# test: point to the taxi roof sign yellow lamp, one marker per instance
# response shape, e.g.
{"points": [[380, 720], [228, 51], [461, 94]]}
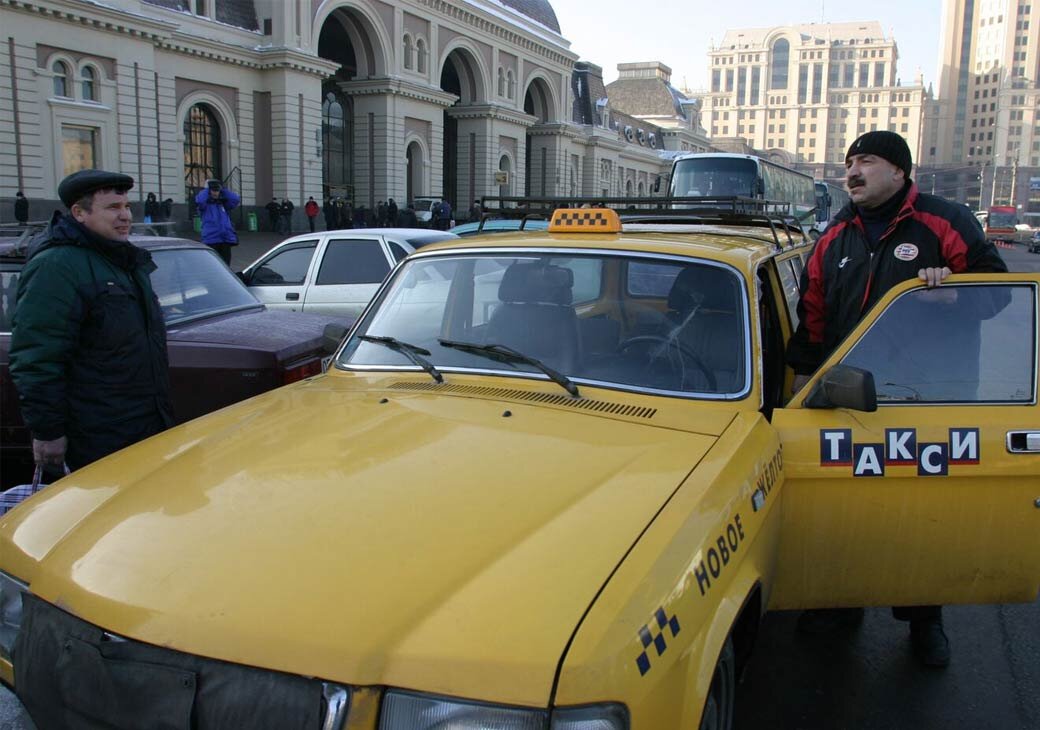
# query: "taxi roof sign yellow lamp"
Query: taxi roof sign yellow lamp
{"points": [[585, 220]]}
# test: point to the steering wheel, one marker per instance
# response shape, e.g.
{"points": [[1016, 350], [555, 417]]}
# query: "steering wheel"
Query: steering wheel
{"points": [[670, 342]]}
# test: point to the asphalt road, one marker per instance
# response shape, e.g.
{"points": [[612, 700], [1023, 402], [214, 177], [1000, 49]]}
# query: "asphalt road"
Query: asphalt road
{"points": [[864, 678]]}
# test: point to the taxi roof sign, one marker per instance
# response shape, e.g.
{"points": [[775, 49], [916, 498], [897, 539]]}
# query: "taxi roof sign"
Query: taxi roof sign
{"points": [[585, 220]]}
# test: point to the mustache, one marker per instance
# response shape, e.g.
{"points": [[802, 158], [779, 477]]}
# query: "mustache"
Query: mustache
{"points": [[855, 182]]}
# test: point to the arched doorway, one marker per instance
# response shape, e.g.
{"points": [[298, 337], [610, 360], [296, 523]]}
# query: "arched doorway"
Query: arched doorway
{"points": [[538, 102], [350, 39], [203, 149], [506, 166], [461, 76], [415, 172]]}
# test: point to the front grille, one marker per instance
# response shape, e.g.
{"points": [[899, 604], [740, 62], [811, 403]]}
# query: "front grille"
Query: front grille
{"points": [[514, 394], [71, 674]]}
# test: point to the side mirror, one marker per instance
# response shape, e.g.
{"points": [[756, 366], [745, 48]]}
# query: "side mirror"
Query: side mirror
{"points": [[331, 336], [657, 184], [760, 187], [844, 387], [244, 277]]}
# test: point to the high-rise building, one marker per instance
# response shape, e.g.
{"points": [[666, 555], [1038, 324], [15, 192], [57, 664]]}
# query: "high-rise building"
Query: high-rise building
{"points": [[988, 82], [989, 92], [801, 94]]}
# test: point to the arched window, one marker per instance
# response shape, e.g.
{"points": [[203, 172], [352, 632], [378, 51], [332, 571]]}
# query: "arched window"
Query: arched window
{"points": [[202, 148], [501, 82], [420, 55], [61, 78], [407, 51], [88, 79], [781, 57], [336, 143], [510, 85]]}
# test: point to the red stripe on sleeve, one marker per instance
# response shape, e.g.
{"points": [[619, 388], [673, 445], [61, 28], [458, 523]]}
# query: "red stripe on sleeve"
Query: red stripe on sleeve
{"points": [[954, 249], [813, 302]]}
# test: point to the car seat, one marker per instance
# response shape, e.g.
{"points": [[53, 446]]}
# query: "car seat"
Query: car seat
{"points": [[535, 316], [703, 308]]}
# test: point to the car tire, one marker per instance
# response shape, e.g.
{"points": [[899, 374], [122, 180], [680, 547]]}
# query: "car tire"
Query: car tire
{"points": [[718, 707]]}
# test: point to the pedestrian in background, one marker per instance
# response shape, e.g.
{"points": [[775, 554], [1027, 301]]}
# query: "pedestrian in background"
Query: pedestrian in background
{"points": [[346, 213], [408, 217], [391, 212], [88, 344], [475, 211], [381, 214], [274, 213], [889, 232], [166, 209], [21, 208], [444, 215], [286, 211], [312, 210], [213, 202], [151, 209], [328, 211]]}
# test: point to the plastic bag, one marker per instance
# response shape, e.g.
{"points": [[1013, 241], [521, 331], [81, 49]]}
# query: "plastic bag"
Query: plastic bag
{"points": [[14, 496]]}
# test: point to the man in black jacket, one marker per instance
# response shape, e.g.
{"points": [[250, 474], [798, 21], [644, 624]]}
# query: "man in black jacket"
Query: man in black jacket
{"points": [[88, 344], [888, 233]]}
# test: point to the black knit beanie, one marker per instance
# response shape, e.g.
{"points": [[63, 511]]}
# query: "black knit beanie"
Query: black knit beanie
{"points": [[886, 145]]}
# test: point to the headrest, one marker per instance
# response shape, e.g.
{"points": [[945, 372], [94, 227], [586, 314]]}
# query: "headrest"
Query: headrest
{"points": [[536, 284], [703, 286]]}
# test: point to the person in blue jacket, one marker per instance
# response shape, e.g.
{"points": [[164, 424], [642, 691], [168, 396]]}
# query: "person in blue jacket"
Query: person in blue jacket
{"points": [[214, 202]]}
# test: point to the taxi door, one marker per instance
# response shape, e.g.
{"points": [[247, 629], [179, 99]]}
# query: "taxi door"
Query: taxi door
{"points": [[934, 497]]}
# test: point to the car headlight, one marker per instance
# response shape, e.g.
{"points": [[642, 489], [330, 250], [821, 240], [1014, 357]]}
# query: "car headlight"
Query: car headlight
{"points": [[410, 711], [11, 591]]}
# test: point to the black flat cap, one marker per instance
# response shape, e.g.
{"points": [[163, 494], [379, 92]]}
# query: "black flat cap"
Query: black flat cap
{"points": [[78, 184]]}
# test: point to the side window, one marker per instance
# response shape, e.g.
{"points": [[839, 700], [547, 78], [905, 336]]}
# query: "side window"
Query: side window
{"points": [[650, 280], [588, 278], [398, 251], [954, 344], [789, 281], [353, 262], [287, 266], [8, 290]]}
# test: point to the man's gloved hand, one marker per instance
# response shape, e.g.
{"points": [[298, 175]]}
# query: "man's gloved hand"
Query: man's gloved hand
{"points": [[50, 454]]}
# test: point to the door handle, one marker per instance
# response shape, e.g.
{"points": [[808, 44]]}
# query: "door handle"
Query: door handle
{"points": [[1023, 442], [292, 296]]}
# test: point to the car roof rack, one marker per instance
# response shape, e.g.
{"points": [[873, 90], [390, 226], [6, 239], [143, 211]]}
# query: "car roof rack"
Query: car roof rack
{"points": [[688, 210]]}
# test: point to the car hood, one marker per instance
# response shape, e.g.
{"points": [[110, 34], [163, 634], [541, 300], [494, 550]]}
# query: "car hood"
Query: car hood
{"points": [[287, 334], [359, 534]]}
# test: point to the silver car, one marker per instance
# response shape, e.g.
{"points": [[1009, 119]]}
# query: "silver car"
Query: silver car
{"points": [[332, 272]]}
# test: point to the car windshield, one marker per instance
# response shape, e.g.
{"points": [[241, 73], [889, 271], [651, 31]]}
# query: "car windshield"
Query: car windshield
{"points": [[192, 283], [678, 326], [423, 204]]}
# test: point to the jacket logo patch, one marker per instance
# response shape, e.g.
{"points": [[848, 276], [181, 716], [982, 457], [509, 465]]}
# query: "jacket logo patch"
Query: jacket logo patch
{"points": [[906, 252], [654, 634]]}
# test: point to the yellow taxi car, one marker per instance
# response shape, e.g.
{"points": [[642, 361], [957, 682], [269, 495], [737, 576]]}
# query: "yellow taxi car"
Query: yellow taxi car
{"points": [[550, 480]]}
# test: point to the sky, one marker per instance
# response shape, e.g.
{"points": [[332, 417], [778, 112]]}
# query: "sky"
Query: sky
{"points": [[679, 33]]}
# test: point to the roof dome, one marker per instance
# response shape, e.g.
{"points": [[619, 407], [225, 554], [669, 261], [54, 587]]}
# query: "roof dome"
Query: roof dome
{"points": [[539, 11]]}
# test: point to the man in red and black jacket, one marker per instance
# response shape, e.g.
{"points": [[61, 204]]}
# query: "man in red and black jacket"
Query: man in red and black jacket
{"points": [[888, 233]]}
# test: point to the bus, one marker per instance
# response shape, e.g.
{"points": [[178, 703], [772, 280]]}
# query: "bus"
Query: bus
{"points": [[830, 198], [719, 175], [1000, 223]]}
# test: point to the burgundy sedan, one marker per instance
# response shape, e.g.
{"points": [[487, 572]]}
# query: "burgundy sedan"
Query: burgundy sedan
{"points": [[224, 345]]}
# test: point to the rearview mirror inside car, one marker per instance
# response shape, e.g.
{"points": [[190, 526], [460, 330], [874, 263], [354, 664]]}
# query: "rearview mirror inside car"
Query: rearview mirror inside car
{"points": [[844, 386]]}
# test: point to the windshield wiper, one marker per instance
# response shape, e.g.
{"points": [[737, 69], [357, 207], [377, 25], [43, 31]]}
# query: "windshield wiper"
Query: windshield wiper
{"points": [[412, 352], [509, 355]]}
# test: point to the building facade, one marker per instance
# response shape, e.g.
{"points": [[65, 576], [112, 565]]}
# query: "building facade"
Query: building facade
{"points": [[801, 94], [989, 91], [363, 99]]}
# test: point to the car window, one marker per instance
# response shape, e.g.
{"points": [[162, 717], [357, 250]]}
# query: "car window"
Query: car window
{"points": [[789, 282], [649, 279], [928, 348], [349, 261], [8, 291], [192, 283], [398, 251], [286, 266]]}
